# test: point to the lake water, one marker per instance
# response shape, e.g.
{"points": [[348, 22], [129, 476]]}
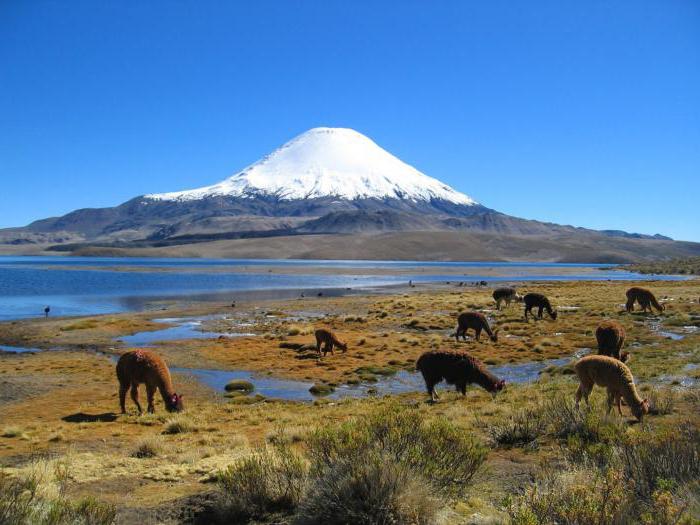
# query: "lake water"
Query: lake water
{"points": [[29, 283]]}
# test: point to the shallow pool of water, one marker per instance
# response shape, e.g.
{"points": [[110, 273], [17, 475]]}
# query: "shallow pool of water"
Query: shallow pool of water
{"points": [[186, 328], [18, 349], [400, 383]]}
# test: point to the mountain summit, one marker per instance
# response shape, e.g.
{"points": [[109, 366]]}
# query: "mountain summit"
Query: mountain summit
{"points": [[327, 162]]}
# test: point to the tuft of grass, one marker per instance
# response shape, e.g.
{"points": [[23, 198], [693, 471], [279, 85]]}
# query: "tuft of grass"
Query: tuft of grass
{"points": [[13, 432], [239, 385], [179, 424], [148, 447], [519, 429]]}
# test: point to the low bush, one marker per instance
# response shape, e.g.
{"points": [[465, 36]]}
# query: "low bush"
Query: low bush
{"points": [[22, 503], [519, 429], [271, 480], [377, 490]]}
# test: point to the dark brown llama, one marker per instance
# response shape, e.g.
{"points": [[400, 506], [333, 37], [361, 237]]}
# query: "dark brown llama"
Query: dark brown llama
{"points": [[538, 300], [329, 340], [476, 322], [611, 337], [143, 366], [645, 299], [458, 369]]}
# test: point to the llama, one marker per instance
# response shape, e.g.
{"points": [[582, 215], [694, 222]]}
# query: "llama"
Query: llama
{"points": [[645, 299], [506, 295], [538, 300], [475, 321], [616, 377], [329, 340], [458, 369], [143, 366], [611, 337]]}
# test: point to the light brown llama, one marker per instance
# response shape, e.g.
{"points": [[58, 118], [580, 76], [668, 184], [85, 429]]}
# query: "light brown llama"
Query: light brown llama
{"points": [[475, 321], [507, 295], [329, 340], [645, 299], [143, 366], [616, 377], [611, 337]]}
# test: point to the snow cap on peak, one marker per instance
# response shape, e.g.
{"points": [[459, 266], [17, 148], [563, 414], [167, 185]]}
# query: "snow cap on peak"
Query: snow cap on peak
{"points": [[327, 162]]}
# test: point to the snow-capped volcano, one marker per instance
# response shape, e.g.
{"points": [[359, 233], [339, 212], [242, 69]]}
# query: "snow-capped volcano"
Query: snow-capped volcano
{"points": [[327, 162]]}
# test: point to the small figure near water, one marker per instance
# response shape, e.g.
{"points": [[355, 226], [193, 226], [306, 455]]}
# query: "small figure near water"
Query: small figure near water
{"points": [[46, 311]]}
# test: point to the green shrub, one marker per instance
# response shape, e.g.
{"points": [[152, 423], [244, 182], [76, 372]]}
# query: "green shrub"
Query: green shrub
{"points": [[649, 460], [377, 490], [444, 455], [576, 496], [271, 480], [661, 401], [21, 504]]}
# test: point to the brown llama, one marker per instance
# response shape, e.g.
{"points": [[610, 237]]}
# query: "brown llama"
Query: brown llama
{"points": [[507, 295], [328, 339], [538, 300], [458, 369], [476, 322], [645, 299], [611, 337], [143, 366], [616, 377]]}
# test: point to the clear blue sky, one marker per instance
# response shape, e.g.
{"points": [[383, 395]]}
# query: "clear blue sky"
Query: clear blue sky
{"points": [[576, 112]]}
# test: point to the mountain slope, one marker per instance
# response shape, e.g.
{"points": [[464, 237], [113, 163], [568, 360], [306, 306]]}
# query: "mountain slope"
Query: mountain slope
{"points": [[326, 182]]}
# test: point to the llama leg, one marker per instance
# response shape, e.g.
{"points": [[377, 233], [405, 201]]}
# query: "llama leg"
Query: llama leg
{"points": [[430, 385], [463, 388], [527, 309], [135, 397], [123, 387], [477, 333], [611, 400], [539, 312], [579, 394], [618, 400], [318, 346], [498, 304], [330, 348], [150, 391]]}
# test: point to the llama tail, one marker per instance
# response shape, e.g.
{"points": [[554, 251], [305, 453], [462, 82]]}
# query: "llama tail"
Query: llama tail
{"points": [[420, 362]]}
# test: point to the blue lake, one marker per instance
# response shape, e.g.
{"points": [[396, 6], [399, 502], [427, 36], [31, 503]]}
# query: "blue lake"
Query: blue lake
{"points": [[106, 284]]}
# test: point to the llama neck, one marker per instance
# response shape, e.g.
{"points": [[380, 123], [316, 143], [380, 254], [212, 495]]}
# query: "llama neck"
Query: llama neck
{"points": [[165, 387], [486, 380], [631, 397]]}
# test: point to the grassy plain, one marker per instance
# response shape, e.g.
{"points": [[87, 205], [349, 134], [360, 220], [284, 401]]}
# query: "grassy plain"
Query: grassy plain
{"points": [[59, 408]]}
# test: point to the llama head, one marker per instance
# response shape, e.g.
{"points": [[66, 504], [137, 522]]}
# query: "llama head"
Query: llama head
{"points": [[343, 346], [554, 315], [518, 297], [640, 411], [498, 386], [494, 337], [175, 403]]}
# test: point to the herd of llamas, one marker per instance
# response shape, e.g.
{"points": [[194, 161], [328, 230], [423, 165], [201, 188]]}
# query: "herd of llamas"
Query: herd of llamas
{"points": [[606, 369]]}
